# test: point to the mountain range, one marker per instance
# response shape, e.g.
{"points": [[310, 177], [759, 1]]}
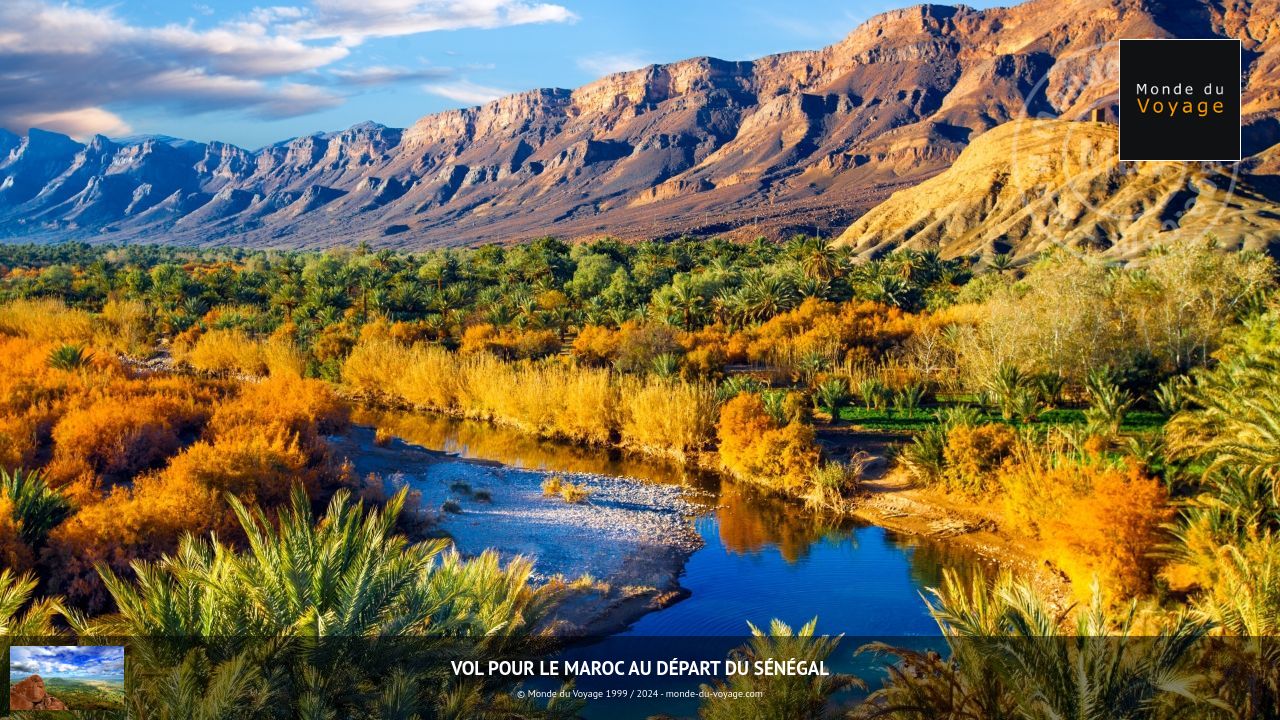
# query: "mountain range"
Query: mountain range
{"points": [[805, 141]]}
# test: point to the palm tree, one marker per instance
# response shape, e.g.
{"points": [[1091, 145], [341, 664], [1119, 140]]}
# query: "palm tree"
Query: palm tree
{"points": [[69, 357], [1010, 658], [794, 697], [830, 395], [20, 616], [36, 506], [1001, 263], [1236, 420], [819, 259], [326, 610]]}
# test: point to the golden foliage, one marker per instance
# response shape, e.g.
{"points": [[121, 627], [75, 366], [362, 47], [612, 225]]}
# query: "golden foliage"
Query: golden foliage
{"points": [[45, 320], [547, 399], [1111, 532], [753, 447], [595, 345], [115, 438], [974, 452], [232, 351], [671, 418], [509, 343]]}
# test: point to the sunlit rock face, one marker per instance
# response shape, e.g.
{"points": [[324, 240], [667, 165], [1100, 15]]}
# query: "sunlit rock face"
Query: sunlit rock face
{"points": [[802, 141]]}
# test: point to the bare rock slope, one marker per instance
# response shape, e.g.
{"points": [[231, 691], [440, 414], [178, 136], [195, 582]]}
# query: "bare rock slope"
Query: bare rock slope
{"points": [[1030, 185], [797, 141]]}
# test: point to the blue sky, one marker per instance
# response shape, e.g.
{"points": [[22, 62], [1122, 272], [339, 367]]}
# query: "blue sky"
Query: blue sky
{"points": [[47, 661], [252, 72]]}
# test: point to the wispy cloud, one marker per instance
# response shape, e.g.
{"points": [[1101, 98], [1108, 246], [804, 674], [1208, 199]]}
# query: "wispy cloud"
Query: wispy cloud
{"points": [[465, 91], [79, 69], [67, 661], [353, 21], [387, 75], [609, 63]]}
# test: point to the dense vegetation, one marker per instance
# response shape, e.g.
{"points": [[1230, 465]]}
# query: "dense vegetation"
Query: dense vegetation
{"points": [[1118, 422]]}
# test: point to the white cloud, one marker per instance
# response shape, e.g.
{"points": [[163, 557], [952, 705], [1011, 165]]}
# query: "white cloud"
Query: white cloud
{"points": [[75, 67], [384, 75], [609, 63], [355, 20], [80, 123], [465, 91]]}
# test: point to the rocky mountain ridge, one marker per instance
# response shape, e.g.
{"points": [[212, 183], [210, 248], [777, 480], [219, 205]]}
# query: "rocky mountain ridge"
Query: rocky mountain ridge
{"points": [[801, 141], [1032, 185]]}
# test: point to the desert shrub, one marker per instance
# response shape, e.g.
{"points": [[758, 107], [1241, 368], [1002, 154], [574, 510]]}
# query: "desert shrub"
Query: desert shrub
{"points": [[15, 553], [283, 357], [575, 493], [833, 482], [251, 463], [667, 417], [124, 326], [595, 346], [45, 320], [974, 452], [284, 406], [551, 486], [127, 525], [755, 447], [509, 343], [639, 344], [228, 350], [548, 398], [115, 438], [19, 436], [1112, 532]]}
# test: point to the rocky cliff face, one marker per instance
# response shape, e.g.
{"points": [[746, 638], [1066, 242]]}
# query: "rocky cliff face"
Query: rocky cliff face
{"points": [[797, 141], [1031, 185], [29, 694]]}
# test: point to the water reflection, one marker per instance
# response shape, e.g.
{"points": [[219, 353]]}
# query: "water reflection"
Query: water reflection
{"points": [[746, 521]]}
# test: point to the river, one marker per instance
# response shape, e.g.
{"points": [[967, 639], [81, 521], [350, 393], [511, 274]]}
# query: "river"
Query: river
{"points": [[761, 558]]}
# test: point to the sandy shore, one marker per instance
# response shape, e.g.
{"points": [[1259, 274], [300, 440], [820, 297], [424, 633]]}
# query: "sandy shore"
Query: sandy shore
{"points": [[630, 537]]}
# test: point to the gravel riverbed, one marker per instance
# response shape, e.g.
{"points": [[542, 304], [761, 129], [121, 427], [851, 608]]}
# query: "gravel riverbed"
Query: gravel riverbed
{"points": [[627, 533]]}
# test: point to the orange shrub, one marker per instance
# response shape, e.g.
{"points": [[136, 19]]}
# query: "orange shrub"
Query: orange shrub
{"points": [[481, 337], [20, 437], [974, 452], [224, 351], [754, 448], [1111, 532], [114, 438], [255, 466], [595, 346], [305, 409], [127, 525], [509, 343]]}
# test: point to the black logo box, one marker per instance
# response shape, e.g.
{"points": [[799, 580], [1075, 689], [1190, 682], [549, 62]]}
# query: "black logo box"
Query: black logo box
{"points": [[1185, 63]]}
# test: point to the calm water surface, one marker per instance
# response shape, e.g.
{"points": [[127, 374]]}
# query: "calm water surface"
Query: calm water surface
{"points": [[763, 559]]}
